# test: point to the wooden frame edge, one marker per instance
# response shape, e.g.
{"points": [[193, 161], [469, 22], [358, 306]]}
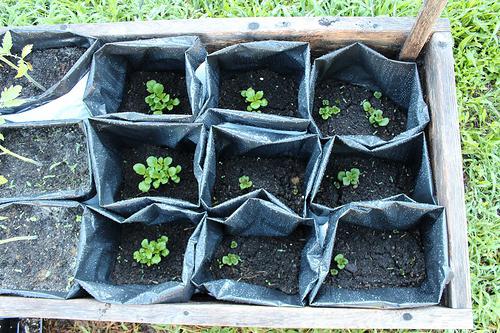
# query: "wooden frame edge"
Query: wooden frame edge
{"points": [[238, 315], [446, 157]]}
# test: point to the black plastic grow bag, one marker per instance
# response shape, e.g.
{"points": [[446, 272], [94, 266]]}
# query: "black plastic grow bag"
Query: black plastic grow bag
{"points": [[279, 56], [411, 151], [80, 193], [360, 65], [256, 217], [111, 63], [101, 249], [234, 140], [87, 221], [388, 215], [107, 136], [42, 38]]}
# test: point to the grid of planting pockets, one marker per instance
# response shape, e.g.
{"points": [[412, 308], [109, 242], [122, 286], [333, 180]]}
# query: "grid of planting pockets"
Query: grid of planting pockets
{"points": [[245, 175]]}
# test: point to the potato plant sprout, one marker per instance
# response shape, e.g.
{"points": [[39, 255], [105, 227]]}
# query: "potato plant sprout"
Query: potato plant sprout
{"points": [[151, 252], [157, 171], [254, 99], [158, 100]]}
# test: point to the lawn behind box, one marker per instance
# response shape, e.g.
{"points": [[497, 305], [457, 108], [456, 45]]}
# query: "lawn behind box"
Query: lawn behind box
{"points": [[475, 28]]}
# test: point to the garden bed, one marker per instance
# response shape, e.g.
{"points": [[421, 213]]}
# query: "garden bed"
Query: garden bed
{"points": [[272, 214]]}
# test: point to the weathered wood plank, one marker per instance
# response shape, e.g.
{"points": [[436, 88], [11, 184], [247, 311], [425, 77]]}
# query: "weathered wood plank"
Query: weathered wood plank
{"points": [[324, 33], [446, 160], [422, 30], [219, 314]]}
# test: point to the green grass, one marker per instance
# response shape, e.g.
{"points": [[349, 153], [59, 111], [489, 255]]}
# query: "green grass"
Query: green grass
{"points": [[475, 26]]}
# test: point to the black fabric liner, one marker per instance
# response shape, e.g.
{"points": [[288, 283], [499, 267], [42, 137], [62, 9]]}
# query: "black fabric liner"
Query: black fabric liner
{"points": [[232, 140], [360, 65], [388, 215], [107, 135], [82, 193], [411, 150], [101, 248], [87, 221], [111, 63], [255, 217], [44, 38], [279, 56]]}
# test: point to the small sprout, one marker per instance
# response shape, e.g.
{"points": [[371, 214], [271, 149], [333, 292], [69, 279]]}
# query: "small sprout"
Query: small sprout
{"points": [[158, 172], [377, 94], [78, 218], [375, 116], [328, 111], [341, 261], [3, 180], [233, 245], [349, 177], [255, 99], [150, 253], [159, 100], [245, 182], [334, 272], [230, 260]]}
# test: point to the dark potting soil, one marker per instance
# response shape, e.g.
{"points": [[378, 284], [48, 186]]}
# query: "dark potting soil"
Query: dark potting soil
{"points": [[62, 150], [377, 259], [186, 189], [46, 263], [352, 119], [281, 176], [127, 270], [135, 92], [379, 179], [266, 261], [49, 66], [280, 90]]}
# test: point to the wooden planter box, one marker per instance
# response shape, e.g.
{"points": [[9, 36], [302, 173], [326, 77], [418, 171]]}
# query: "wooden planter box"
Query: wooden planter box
{"points": [[324, 34]]}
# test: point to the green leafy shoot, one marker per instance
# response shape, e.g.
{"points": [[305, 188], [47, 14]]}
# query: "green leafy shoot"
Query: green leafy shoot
{"points": [[254, 99], [150, 253], [5, 151], [245, 182], [159, 171], [375, 116], [341, 261], [9, 97], [328, 111], [349, 177], [230, 259], [3, 180], [233, 245], [10, 59], [159, 100], [377, 94], [334, 271]]}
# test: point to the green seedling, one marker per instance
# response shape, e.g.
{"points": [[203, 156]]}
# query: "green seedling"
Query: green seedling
{"points": [[159, 100], [3, 180], [10, 95], [230, 259], [150, 253], [375, 116], [254, 99], [5, 151], [334, 272], [328, 111], [341, 261], [159, 171], [233, 245], [350, 177], [245, 182], [377, 94]]}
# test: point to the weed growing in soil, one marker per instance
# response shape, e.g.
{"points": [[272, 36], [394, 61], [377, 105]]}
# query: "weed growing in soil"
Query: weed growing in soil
{"points": [[159, 100], [341, 262], [348, 178], [245, 182], [328, 111], [375, 116], [233, 245], [255, 99], [230, 259], [377, 94], [150, 253], [10, 95], [158, 172]]}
